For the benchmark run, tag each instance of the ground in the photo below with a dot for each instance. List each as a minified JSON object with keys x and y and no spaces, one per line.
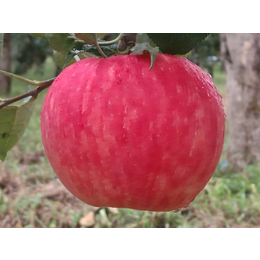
{"x":32,"y":196}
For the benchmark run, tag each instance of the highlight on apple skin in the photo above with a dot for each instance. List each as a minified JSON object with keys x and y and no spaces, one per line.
{"x":120,"y":135}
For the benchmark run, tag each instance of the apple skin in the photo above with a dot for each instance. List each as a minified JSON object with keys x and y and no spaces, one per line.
{"x":120,"y":135}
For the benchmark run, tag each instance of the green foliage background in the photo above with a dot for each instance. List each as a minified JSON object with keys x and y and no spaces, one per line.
{"x":28,"y":51}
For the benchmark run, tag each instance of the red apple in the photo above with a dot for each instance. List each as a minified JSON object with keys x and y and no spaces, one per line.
{"x":120,"y":135}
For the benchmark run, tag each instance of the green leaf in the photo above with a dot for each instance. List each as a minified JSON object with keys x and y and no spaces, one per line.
{"x":109,"y":50}
{"x":13,"y":121}
{"x":89,"y":38}
{"x":59,"y":58}
{"x":42,"y":35}
{"x":90,"y":51}
{"x":146,"y":47}
{"x":63,"y":42}
{"x":64,"y":60}
{"x":142,"y":37}
{"x":1,"y":44}
{"x":177,"y":43}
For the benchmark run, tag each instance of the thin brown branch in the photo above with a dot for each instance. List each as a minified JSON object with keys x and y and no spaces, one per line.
{"x":33,"y":93}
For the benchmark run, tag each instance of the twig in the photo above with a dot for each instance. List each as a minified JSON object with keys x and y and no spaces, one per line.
{"x":33,"y":93}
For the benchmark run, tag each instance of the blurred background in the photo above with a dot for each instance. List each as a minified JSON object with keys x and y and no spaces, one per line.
{"x":32,"y":196}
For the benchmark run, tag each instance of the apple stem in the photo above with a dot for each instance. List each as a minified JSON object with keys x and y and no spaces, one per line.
{"x":100,"y":50}
{"x":41,"y":85}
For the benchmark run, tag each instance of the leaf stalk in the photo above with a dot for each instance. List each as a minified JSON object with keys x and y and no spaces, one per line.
{"x":112,"y":41}
{"x":41,"y":85}
{"x":11,"y":75}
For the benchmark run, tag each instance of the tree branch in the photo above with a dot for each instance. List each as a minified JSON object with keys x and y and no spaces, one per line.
{"x":33,"y":93}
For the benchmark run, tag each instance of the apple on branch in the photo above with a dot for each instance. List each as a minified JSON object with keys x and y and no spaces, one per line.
{"x":120,"y":135}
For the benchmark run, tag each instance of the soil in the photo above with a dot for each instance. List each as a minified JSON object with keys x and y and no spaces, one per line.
{"x":55,"y":204}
